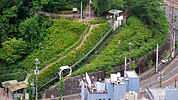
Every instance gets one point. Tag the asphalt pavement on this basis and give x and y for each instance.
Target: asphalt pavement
(170, 72)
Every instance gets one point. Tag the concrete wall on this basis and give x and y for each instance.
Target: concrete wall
(71, 85)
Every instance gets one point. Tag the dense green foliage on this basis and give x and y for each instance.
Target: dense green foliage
(33, 30)
(75, 55)
(11, 13)
(12, 73)
(13, 50)
(56, 5)
(102, 6)
(98, 21)
(26, 35)
(149, 12)
(61, 37)
(113, 55)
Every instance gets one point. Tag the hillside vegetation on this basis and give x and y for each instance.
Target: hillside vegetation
(72, 57)
(134, 32)
(61, 37)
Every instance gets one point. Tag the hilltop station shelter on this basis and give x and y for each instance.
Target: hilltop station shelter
(116, 17)
(13, 89)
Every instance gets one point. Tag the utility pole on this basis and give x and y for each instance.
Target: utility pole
(89, 8)
(125, 67)
(130, 53)
(157, 59)
(81, 11)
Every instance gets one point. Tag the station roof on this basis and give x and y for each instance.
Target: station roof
(114, 11)
(14, 85)
(131, 74)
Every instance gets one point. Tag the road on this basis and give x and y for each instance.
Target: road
(171, 68)
(167, 77)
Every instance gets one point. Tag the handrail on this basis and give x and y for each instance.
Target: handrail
(92, 48)
(149, 93)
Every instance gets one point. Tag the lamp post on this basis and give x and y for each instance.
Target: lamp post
(157, 58)
(32, 84)
(36, 73)
(175, 80)
(131, 44)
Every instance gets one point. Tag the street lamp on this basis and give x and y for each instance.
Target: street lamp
(157, 58)
(174, 80)
(36, 73)
(32, 84)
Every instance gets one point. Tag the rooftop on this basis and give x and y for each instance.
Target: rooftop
(114, 11)
(158, 93)
(14, 85)
(131, 74)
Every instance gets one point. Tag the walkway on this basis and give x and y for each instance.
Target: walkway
(88, 33)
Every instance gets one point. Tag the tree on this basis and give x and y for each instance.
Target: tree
(115, 4)
(13, 50)
(133, 66)
(103, 6)
(32, 30)
(11, 13)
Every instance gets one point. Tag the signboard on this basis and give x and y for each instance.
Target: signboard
(74, 9)
(26, 96)
(36, 71)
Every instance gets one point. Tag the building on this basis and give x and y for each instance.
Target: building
(162, 93)
(117, 19)
(113, 88)
(13, 89)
